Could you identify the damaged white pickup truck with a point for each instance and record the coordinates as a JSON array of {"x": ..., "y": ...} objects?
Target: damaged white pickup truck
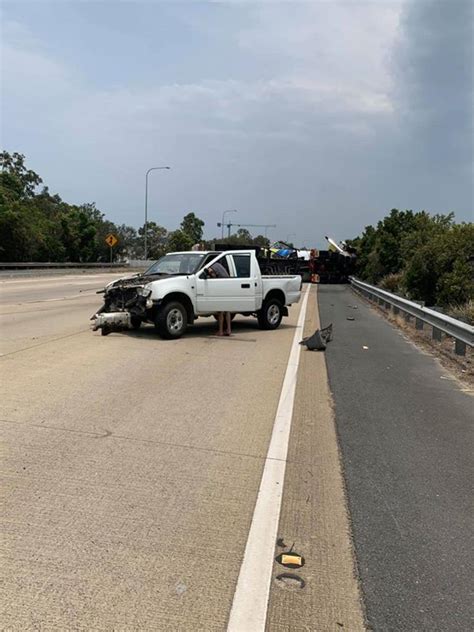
[{"x": 178, "y": 289}]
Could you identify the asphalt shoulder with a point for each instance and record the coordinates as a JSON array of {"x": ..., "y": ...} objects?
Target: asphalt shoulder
[{"x": 405, "y": 433}]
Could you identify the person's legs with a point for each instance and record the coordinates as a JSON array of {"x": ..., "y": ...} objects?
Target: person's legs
[
  {"x": 220, "y": 320},
  {"x": 228, "y": 323}
]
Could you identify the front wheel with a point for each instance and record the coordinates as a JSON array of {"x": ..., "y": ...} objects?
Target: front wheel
[
  {"x": 135, "y": 322},
  {"x": 269, "y": 317},
  {"x": 171, "y": 320}
]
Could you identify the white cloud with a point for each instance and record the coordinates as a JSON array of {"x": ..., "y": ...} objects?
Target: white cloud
[
  {"x": 322, "y": 104},
  {"x": 333, "y": 62},
  {"x": 336, "y": 47}
]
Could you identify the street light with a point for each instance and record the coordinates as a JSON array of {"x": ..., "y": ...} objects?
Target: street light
[
  {"x": 146, "y": 205},
  {"x": 222, "y": 223}
]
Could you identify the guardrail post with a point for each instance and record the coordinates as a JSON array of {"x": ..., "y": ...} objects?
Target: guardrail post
[
  {"x": 437, "y": 334},
  {"x": 460, "y": 347},
  {"x": 407, "y": 317},
  {"x": 418, "y": 323},
  {"x": 396, "y": 310}
]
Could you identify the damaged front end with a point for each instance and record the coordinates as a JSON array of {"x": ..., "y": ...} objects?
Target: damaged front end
[{"x": 126, "y": 305}]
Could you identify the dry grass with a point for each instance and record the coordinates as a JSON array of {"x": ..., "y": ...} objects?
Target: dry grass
[
  {"x": 463, "y": 312},
  {"x": 391, "y": 282}
]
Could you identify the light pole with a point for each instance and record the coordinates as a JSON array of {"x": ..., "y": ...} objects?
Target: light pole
[
  {"x": 222, "y": 223},
  {"x": 146, "y": 205}
]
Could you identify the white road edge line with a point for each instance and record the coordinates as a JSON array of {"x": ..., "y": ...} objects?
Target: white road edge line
[{"x": 250, "y": 603}]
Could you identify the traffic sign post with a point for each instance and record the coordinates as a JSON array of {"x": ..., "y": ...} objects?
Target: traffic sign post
[{"x": 111, "y": 240}]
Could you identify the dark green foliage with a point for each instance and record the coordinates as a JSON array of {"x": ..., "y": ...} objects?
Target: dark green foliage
[
  {"x": 38, "y": 226},
  {"x": 192, "y": 227},
  {"x": 178, "y": 241},
  {"x": 430, "y": 257},
  {"x": 156, "y": 240}
]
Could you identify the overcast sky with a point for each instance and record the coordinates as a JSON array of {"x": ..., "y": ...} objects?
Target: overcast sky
[{"x": 316, "y": 116}]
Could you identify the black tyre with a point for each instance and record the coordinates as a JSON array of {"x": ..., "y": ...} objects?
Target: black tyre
[
  {"x": 171, "y": 320},
  {"x": 135, "y": 322},
  {"x": 269, "y": 317}
]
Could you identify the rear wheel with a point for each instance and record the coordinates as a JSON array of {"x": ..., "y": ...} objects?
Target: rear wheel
[
  {"x": 171, "y": 320},
  {"x": 269, "y": 317}
]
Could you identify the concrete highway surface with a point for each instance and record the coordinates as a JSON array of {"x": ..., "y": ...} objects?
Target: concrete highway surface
[{"x": 139, "y": 478}]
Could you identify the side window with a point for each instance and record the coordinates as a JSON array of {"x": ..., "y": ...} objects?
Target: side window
[
  {"x": 208, "y": 258},
  {"x": 224, "y": 263},
  {"x": 242, "y": 265},
  {"x": 220, "y": 266}
]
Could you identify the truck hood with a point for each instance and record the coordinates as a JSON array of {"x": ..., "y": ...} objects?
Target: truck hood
[{"x": 139, "y": 280}]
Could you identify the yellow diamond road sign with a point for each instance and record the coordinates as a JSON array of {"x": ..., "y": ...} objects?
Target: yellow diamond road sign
[{"x": 111, "y": 240}]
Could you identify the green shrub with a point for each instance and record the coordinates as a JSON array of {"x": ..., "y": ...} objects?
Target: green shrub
[{"x": 427, "y": 257}]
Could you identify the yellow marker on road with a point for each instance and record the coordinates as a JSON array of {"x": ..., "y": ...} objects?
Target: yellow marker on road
[{"x": 296, "y": 560}]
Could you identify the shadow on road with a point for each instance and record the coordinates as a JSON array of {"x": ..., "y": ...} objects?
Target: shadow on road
[{"x": 205, "y": 329}]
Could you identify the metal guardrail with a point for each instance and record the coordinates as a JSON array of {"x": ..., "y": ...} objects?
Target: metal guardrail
[
  {"x": 462, "y": 333},
  {"x": 24, "y": 265}
]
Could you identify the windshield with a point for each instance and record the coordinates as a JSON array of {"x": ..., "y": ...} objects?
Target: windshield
[{"x": 185, "y": 263}]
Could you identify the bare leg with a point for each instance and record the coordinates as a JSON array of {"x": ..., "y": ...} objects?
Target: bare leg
[
  {"x": 228, "y": 322},
  {"x": 220, "y": 320}
]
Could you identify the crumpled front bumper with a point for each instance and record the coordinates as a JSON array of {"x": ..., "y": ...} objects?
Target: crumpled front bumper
[{"x": 112, "y": 321}]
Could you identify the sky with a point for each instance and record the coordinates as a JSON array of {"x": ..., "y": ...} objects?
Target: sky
[{"x": 318, "y": 117}]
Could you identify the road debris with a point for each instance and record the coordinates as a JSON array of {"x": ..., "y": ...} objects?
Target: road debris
[
  {"x": 365, "y": 347},
  {"x": 350, "y": 318},
  {"x": 319, "y": 340}
]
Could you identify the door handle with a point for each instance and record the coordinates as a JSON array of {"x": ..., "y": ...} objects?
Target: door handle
[{"x": 245, "y": 285}]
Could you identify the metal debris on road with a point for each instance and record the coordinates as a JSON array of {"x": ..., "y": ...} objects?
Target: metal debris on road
[{"x": 319, "y": 340}]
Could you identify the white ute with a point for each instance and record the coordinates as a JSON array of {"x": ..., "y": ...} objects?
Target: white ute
[{"x": 177, "y": 289}]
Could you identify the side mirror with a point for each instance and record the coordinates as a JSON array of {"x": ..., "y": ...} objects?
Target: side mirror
[{"x": 204, "y": 274}]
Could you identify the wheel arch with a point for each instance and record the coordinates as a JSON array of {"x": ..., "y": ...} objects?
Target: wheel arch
[
  {"x": 181, "y": 298},
  {"x": 279, "y": 295}
]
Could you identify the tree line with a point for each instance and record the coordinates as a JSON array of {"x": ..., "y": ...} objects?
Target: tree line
[
  {"x": 36, "y": 225},
  {"x": 424, "y": 257}
]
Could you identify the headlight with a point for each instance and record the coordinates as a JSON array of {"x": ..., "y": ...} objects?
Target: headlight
[{"x": 144, "y": 291}]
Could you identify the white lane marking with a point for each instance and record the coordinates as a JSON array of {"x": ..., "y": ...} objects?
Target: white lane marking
[{"x": 250, "y": 603}]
